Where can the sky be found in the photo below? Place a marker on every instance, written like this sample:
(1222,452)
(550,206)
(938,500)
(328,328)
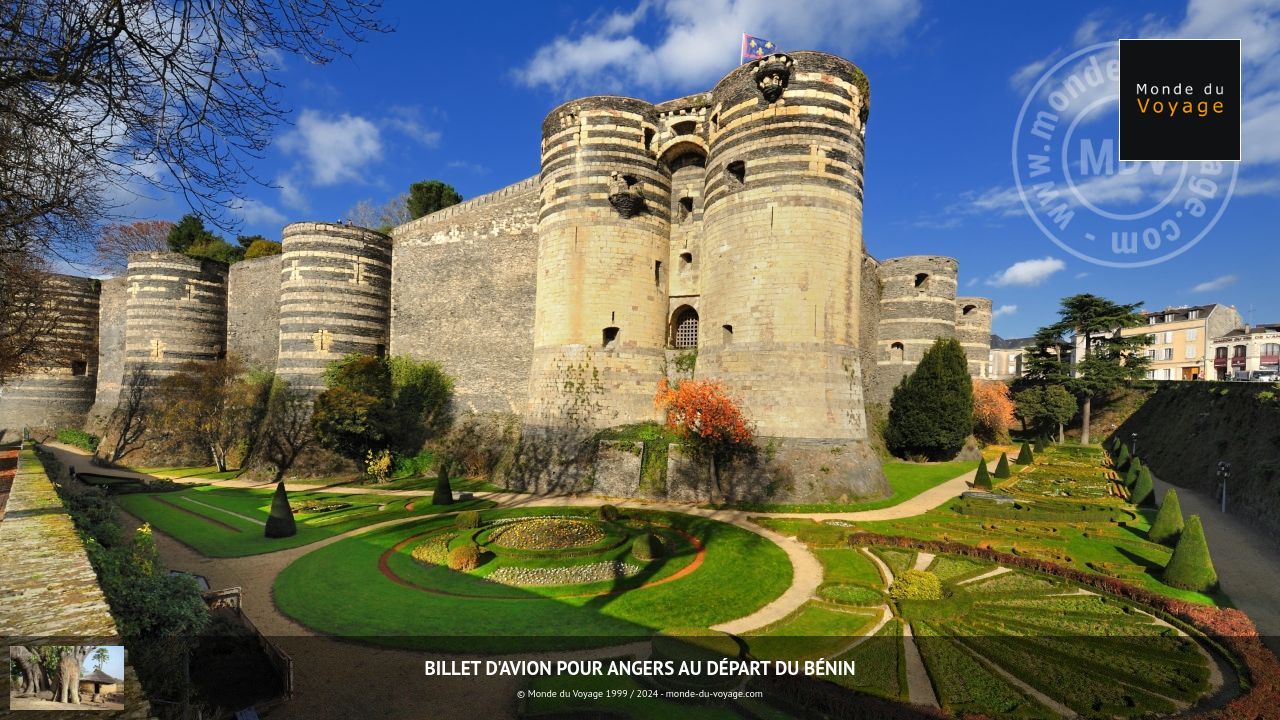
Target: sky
(457,92)
(114,666)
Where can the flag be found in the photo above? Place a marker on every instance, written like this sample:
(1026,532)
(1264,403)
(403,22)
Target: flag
(754,48)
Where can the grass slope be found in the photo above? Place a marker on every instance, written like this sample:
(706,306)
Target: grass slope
(907,480)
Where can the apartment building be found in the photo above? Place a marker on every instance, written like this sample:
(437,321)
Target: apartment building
(1006,357)
(1179,339)
(1245,350)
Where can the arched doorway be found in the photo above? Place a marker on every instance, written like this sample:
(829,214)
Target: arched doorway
(684,328)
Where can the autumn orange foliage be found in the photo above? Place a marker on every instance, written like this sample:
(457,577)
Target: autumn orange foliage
(992,410)
(703,411)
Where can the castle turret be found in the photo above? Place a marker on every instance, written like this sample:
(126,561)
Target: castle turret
(175,311)
(603,251)
(917,306)
(973,330)
(335,298)
(59,391)
(782,228)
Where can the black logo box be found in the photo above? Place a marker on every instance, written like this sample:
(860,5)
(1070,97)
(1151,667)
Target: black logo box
(1181,66)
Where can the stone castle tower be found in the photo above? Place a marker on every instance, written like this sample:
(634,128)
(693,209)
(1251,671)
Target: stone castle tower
(727,223)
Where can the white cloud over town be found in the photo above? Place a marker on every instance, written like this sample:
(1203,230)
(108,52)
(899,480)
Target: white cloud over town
(1027,273)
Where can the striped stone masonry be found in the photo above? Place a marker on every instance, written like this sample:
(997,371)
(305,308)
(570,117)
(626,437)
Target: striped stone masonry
(175,312)
(973,330)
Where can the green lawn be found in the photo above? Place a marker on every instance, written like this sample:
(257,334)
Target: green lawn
(907,480)
(229,522)
(340,590)
(208,472)
(817,630)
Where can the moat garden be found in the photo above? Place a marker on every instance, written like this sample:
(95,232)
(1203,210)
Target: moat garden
(1045,596)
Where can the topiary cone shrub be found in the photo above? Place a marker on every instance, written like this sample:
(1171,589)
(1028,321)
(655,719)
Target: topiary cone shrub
(647,547)
(1143,489)
(467,520)
(280,521)
(1122,459)
(1131,475)
(608,513)
(1002,467)
(1190,566)
(444,491)
(982,480)
(465,557)
(1042,443)
(1024,454)
(1167,526)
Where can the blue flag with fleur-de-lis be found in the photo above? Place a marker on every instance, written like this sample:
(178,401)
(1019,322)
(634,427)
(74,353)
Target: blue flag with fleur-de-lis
(754,48)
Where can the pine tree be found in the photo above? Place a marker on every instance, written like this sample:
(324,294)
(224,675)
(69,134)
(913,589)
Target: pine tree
(1168,523)
(444,492)
(1024,455)
(931,412)
(1143,489)
(280,521)
(1002,467)
(982,480)
(1190,566)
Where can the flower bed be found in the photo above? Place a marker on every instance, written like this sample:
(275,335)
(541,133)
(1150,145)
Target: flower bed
(316,506)
(567,575)
(547,534)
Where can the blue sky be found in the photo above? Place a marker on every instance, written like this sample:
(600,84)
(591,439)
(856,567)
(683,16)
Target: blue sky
(458,92)
(114,666)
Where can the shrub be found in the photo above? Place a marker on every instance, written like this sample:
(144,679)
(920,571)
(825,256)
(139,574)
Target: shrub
(647,547)
(262,248)
(1122,458)
(1131,476)
(1002,467)
(467,520)
(608,513)
(280,522)
(916,585)
(465,557)
(992,410)
(434,550)
(79,438)
(1168,523)
(404,466)
(444,491)
(1190,566)
(1143,489)
(1042,443)
(982,480)
(931,412)
(1024,454)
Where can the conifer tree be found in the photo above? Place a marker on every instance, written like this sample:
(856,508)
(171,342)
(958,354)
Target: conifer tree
(1190,566)
(1143,489)
(982,480)
(1002,467)
(444,492)
(931,412)
(280,522)
(1167,526)
(1024,455)
(1122,459)
(1131,475)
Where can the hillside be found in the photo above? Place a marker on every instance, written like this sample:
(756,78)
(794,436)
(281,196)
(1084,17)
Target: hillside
(1184,429)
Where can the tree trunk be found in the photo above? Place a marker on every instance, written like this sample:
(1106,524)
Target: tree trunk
(1084,419)
(219,458)
(1062,433)
(1024,426)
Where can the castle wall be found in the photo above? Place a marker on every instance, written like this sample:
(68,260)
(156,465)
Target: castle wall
(111,333)
(463,289)
(253,311)
(335,298)
(917,306)
(973,330)
(60,391)
(869,329)
(783,233)
(175,312)
(600,320)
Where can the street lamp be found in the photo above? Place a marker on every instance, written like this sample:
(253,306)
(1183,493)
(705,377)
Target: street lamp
(1133,450)
(1224,474)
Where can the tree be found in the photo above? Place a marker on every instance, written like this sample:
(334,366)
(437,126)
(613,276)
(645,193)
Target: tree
(180,97)
(1108,357)
(992,410)
(1190,566)
(353,416)
(1168,524)
(188,232)
(1045,407)
(421,393)
(210,404)
(1143,489)
(1024,454)
(982,480)
(131,416)
(382,218)
(280,522)
(443,494)
(115,242)
(1122,459)
(1002,467)
(428,196)
(287,426)
(707,418)
(262,248)
(931,411)
(31,317)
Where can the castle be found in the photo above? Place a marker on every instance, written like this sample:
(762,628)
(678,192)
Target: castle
(727,223)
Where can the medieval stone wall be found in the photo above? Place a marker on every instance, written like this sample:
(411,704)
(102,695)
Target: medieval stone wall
(176,312)
(61,390)
(111,331)
(917,306)
(462,295)
(973,330)
(253,311)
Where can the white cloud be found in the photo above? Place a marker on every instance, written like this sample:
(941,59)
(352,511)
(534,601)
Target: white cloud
(1217,283)
(1004,310)
(1081,275)
(256,212)
(335,149)
(698,40)
(1027,272)
(408,120)
(468,167)
(291,192)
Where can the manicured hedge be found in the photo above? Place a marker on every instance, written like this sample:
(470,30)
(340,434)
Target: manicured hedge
(280,522)
(982,481)
(1025,457)
(1002,467)
(1168,524)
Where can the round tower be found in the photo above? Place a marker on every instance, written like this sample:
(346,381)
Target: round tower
(973,330)
(782,229)
(60,390)
(175,311)
(335,298)
(603,252)
(917,306)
